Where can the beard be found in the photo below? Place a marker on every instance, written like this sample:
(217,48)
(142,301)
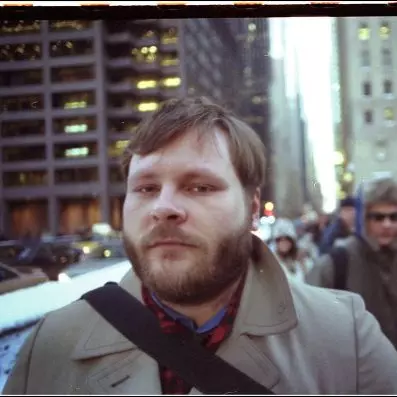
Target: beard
(196,275)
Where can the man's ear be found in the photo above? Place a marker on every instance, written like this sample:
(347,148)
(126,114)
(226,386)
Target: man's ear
(255,208)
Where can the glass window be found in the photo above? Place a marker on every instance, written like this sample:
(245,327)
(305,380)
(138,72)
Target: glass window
(169,36)
(148,54)
(18,27)
(388,114)
(72,175)
(24,153)
(169,59)
(20,52)
(76,100)
(75,150)
(58,25)
(171,82)
(11,129)
(27,178)
(76,125)
(368,117)
(20,78)
(72,74)
(22,103)
(116,149)
(386,57)
(121,126)
(62,48)
(365,58)
(115,175)
(387,87)
(146,84)
(384,31)
(149,106)
(364,32)
(367,89)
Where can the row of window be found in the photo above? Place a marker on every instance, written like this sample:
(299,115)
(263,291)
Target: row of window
(386,57)
(81,47)
(19,27)
(61,176)
(70,126)
(387,88)
(389,116)
(81,100)
(13,154)
(364,31)
(82,73)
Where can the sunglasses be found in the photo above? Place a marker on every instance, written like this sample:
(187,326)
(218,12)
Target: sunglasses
(380,217)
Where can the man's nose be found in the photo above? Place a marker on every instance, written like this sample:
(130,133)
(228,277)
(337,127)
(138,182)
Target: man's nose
(167,208)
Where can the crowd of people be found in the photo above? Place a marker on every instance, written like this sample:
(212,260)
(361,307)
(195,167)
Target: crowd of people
(356,250)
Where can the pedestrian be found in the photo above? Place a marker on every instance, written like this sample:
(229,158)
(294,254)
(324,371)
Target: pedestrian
(342,227)
(285,246)
(367,261)
(207,288)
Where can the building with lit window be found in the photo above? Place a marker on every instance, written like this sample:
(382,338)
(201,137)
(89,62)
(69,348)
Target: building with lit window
(367,62)
(72,92)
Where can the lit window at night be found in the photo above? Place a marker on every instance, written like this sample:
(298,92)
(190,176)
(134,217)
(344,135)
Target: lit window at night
(77,152)
(76,128)
(364,32)
(148,106)
(146,84)
(171,82)
(75,105)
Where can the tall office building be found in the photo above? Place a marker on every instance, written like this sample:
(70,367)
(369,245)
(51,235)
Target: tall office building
(367,62)
(253,100)
(72,92)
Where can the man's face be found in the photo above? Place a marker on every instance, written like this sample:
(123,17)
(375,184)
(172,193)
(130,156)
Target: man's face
(187,220)
(382,223)
(348,214)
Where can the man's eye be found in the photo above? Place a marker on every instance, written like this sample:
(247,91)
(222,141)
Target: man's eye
(202,189)
(145,189)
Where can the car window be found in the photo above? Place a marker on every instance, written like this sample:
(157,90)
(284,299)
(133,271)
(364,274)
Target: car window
(6,274)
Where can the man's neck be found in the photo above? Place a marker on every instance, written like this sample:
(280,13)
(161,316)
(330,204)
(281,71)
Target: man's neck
(200,314)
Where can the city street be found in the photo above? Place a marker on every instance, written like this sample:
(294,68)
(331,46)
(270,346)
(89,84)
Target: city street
(22,308)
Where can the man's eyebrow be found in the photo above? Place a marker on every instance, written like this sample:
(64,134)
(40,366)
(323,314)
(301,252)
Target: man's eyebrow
(188,174)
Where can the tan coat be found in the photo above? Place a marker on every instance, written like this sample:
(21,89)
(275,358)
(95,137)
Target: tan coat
(289,337)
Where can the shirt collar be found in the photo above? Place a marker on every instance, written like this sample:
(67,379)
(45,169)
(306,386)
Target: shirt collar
(189,323)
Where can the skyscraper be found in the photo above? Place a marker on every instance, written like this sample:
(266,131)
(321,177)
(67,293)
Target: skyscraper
(72,92)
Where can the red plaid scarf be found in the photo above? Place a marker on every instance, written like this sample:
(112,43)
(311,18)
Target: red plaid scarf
(171,383)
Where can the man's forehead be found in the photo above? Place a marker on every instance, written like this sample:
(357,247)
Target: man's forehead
(207,151)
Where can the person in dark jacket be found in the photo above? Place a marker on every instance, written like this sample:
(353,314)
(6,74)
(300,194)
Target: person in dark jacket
(342,227)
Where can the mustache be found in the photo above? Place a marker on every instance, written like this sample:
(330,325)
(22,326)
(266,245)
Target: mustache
(162,232)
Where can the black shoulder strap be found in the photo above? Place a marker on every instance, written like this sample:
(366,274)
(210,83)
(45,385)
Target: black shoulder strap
(193,363)
(340,261)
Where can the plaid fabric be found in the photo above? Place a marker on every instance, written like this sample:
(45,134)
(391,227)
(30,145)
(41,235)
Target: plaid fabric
(171,383)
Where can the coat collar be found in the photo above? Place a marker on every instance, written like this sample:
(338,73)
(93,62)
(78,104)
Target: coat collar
(266,308)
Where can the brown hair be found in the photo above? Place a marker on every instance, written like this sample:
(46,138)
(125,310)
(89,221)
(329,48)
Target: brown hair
(176,117)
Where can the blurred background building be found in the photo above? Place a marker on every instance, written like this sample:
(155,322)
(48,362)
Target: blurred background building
(72,92)
(367,61)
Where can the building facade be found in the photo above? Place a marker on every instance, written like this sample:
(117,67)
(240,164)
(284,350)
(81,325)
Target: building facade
(367,61)
(72,92)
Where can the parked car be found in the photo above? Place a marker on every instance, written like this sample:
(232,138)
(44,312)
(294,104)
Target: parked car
(38,254)
(18,277)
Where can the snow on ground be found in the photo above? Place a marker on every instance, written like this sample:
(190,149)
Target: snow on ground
(25,306)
